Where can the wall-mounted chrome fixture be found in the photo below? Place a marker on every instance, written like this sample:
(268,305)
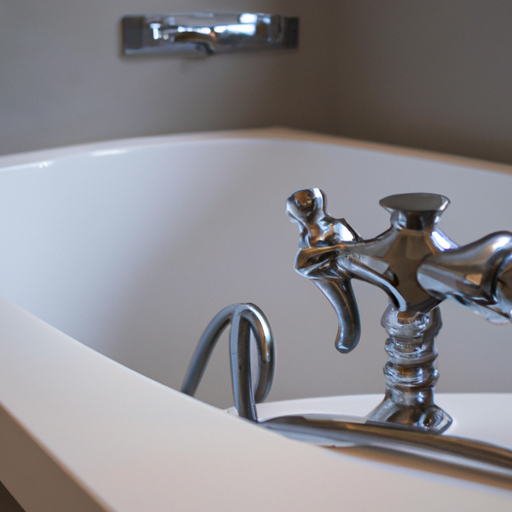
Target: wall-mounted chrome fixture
(207,34)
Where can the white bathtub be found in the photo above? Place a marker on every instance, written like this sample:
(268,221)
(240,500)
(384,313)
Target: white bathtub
(130,247)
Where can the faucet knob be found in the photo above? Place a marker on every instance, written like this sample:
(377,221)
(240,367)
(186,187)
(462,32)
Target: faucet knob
(477,275)
(415,211)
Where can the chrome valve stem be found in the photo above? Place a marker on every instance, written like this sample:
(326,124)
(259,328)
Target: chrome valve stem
(410,372)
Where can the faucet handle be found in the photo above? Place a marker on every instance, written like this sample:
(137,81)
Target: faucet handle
(477,275)
(415,211)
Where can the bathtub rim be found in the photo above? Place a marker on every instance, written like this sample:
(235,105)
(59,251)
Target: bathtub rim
(37,157)
(78,448)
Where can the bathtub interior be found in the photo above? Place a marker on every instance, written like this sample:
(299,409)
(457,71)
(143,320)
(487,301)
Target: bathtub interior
(133,248)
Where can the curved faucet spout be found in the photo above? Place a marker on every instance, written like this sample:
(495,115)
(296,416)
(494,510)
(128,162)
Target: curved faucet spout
(319,233)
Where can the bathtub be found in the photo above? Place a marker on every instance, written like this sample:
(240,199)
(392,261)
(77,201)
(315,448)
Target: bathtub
(114,258)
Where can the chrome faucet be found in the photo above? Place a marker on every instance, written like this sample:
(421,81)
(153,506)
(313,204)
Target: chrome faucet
(207,33)
(247,320)
(418,266)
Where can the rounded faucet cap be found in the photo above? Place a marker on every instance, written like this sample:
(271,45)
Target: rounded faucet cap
(415,210)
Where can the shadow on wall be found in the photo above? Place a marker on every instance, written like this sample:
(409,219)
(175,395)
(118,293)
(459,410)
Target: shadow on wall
(7,502)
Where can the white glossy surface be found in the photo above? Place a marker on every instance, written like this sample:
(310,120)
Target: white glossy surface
(131,247)
(114,440)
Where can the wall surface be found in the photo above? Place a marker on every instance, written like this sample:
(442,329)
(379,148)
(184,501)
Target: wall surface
(64,80)
(434,75)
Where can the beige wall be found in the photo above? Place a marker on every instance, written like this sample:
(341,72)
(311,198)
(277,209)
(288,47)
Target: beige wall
(63,80)
(434,75)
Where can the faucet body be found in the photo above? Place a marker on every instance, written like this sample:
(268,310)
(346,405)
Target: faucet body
(418,267)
